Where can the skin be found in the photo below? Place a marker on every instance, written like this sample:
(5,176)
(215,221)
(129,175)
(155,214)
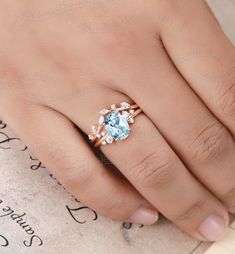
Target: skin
(61,62)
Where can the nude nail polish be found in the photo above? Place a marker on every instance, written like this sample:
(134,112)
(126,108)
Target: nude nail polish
(213,227)
(144,215)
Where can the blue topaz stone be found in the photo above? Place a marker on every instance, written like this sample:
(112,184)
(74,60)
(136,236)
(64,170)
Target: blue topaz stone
(113,123)
(117,125)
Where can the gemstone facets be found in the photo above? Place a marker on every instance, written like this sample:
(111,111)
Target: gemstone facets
(114,123)
(117,125)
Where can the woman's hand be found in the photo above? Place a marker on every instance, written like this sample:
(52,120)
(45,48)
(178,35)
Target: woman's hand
(63,61)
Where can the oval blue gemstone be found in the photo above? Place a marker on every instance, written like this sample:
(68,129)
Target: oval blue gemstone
(117,125)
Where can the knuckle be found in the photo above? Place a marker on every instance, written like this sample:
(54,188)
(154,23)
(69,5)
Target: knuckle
(117,38)
(190,213)
(154,170)
(73,175)
(226,101)
(209,143)
(115,209)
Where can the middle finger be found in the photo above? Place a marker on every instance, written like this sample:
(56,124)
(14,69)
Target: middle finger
(154,169)
(202,142)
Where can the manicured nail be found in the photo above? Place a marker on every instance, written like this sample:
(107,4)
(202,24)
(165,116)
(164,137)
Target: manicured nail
(144,215)
(213,228)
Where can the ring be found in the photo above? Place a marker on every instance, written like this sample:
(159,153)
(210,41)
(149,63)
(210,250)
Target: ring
(114,124)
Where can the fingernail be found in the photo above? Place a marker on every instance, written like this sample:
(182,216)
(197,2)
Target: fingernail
(213,228)
(144,215)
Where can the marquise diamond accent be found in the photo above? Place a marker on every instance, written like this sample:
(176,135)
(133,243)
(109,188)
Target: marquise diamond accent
(104,111)
(101,120)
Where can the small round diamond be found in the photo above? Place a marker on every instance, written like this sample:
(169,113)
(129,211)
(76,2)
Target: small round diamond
(93,128)
(125,114)
(125,105)
(109,140)
(90,137)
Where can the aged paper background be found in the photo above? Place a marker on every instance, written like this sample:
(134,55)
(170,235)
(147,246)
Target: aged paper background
(38,216)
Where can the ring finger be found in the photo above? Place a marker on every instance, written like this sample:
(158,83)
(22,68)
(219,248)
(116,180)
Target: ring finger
(155,170)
